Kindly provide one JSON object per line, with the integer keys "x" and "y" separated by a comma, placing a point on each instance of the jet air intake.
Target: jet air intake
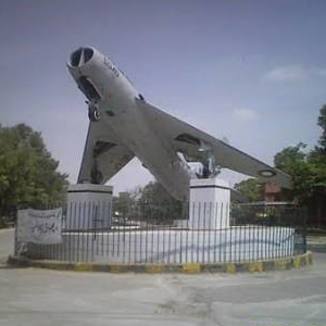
{"x": 81, "y": 56}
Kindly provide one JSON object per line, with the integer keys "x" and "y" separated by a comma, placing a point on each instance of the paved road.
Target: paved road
{"x": 46, "y": 298}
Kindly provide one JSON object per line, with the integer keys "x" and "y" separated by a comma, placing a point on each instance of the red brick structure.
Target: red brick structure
{"x": 272, "y": 192}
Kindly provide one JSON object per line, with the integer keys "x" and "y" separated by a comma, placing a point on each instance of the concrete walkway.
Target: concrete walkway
{"x": 44, "y": 297}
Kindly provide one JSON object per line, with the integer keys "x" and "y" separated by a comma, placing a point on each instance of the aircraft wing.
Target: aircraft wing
{"x": 103, "y": 155}
{"x": 188, "y": 140}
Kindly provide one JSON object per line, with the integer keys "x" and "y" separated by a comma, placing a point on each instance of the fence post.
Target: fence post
{"x": 15, "y": 235}
{"x": 304, "y": 228}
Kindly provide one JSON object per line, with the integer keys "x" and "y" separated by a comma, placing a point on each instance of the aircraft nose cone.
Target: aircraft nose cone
{"x": 81, "y": 56}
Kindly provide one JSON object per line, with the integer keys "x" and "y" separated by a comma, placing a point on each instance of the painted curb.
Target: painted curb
{"x": 294, "y": 262}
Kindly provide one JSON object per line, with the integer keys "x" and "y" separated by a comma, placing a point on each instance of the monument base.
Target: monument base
{"x": 209, "y": 204}
{"x": 89, "y": 207}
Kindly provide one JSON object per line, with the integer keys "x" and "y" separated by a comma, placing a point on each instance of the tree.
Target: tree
{"x": 317, "y": 157}
{"x": 251, "y": 189}
{"x": 151, "y": 203}
{"x": 317, "y": 161}
{"x": 294, "y": 161}
{"x": 124, "y": 205}
{"x": 158, "y": 204}
{"x": 28, "y": 173}
{"x": 308, "y": 172}
{"x": 322, "y": 124}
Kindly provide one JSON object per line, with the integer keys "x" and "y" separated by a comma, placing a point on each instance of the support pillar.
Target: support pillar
{"x": 209, "y": 204}
{"x": 89, "y": 207}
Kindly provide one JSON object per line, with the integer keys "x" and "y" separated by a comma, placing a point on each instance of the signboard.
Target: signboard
{"x": 39, "y": 226}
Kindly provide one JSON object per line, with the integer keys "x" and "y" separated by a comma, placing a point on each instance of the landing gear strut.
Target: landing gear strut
{"x": 93, "y": 112}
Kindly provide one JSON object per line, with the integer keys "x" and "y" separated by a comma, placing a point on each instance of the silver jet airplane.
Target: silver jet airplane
{"x": 124, "y": 125}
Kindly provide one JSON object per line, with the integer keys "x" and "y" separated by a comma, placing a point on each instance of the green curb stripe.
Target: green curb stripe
{"x": 189, "y": 268}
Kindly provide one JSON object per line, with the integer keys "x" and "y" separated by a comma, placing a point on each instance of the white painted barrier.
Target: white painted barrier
{"x": 177, "y": 246}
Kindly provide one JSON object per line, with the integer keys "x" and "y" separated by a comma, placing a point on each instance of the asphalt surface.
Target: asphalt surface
{"x": 38, "y": 297}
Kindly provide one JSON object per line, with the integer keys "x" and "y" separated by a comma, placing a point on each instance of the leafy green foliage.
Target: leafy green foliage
{"x": 287, "y": 159}
{"x": 28, "y": 173}
{"x": 124, "y": 205}
{"x": 322, "y": 124}
{"x": 159, "y": 204}
{"x": 251, "y": 189}
{"x": 308, "y": 170}
{"x": 151, "y": 203}
{"x": 293, "y": 160}
{"x": 317, "y": 157}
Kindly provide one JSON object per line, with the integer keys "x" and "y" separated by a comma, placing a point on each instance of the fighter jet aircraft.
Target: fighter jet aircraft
{"x": 124, "y": 125}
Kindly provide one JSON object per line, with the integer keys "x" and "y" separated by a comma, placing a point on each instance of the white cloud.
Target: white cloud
{"x": 293, "y": 73}
{"x": 245, "y": 115}
{"x": 287, "y": 73}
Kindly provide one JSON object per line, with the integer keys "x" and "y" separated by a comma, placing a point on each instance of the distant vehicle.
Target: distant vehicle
{"x": 124, "y": 125}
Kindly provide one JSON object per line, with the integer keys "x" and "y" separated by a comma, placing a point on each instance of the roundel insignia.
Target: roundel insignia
{"x": 267, "y": 173}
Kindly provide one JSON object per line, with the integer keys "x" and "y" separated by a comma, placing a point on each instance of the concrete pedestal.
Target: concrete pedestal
{"x": 89, "y": 207}
{"x": 209, "y": 204}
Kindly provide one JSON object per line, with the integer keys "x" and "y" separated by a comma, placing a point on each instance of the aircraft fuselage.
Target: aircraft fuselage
{"x": 116, "y": 100}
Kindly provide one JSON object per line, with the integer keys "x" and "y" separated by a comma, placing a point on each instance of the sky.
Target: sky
{"x": 251, "y": 72}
